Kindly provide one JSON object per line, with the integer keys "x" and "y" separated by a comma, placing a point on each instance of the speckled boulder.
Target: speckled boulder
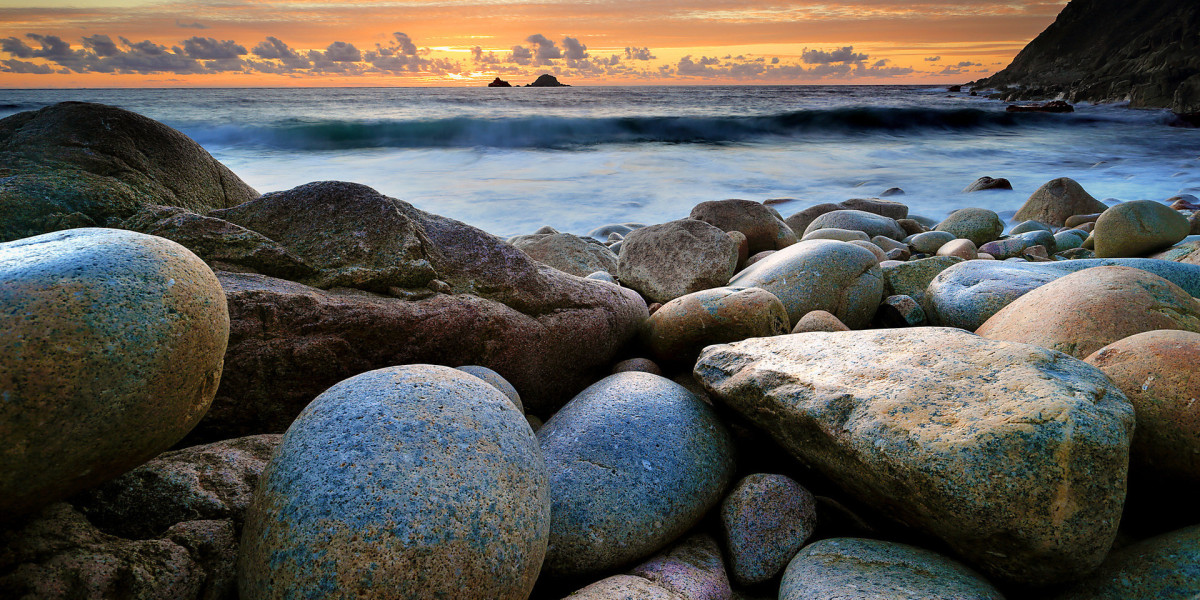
{"x": 1008, "y": 247}
{"x": 800, "y": 221}
{"x": 930, "y": 241}
{"x": 1137, "y": 228}
{"x": 820, "y": 275}
{"x": 678, "y": 330}
{"x": 1165, "y": 567}
{"x": 1057, "y": 200}
{"x": 1085, "y": 311}
{"x": 416, "y": 481}
{"x": 766, "y": 519}
{"x": 979, "y": 225}
{"x": 693, "y": 569}
{"x": 78, "y": 164}
{"x": 878, "y": 206}
{"x": 964, "y": 249}
{"x": 1159, "y": 371}
{"x": 857, "y": 220}
{"x": 497, "y": 381}
{"x": 861, "y": 569}
{"x": 763, "y": 228}
{"x": 841, "y": 235}
{"x": 1014, "y": 455}
{"x": 624, "y": 587}
{"x": 911, "y": 278}
{"x": 113, "y": 344}
{"x": 1187, "y": 253}
{"x": 579, "y": 256}
{"x": 672, "y": 259}
{"x": 819, "y": 320}
{"x": 635, "y": 460}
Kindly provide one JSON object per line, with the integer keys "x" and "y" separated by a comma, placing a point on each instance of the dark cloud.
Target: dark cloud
{"x": 881, "y": 63}
{"x": 932, "y": 58}
{"x": 196, "y": 25}
{"x": 342, "y": 52}
{"x": 478, "y": 56}
{"x": 775, "y": 60}
{"x": 101, "y": 44}
{"x": 544, "y": 50}
{"x": 967, "y": 63}
{"x": 635, "y": 53}
{"x": 520, "y": 55}
{"x": 845, "y": 54}
{"x": 274, "y": 49}
{"x": 16, "y": 48}
{"x": 211, "y": 49}
{"x": 573, "y": 50}
{"x": 404, "y": 44}
{"x": 21, "y": 66}
{"x": 402, "y": 55}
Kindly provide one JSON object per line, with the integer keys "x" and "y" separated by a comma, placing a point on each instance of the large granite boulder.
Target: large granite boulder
{"x": 761, "y": 225}
{"x": 635, "y": 461}
{"x": 579, "y": 256}
{"x": 678, "y": 330}
{"x": 1165, "y": 567}
{"x": 416, "y": 481}
{"x": 77, "y": 164}
{"x": 1014, "y": 455}
{"x": 113, "y": 344}
{"x": 669, "y": 260}
{"x": 1056, "y": 200}
{"x": 1082, "y": 312}
{"x": 828, "y": 275}
{"x": 979, "y": 225}
{"x": 1137, "y": 228}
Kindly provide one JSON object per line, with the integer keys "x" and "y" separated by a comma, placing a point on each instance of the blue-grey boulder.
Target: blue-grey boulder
{"x": 635, "y": 461}
{"x": 857, "y": 220}
{"x": 417, "y": 481}
{"x": 1164, "y": 567}
{"x": 766, "y": 519}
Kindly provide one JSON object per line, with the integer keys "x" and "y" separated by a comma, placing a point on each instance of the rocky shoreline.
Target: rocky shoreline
{"x": 327, "y": 392}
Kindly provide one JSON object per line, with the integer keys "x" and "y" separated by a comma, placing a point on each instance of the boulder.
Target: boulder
{"x": 1183, "y": 253}
{"x": 911, "y": 278}
{"x": 1165, "y": 567}
{"x": 1027, "y": 226}
{"x": 113, "y": 344}
{"x": 819, "y": 320}
{"x": 900, "y": 311}
{"x": 857, "y": 220}
{"x": 415, "y": 481}
{"x": 964, "y": 249}
{"x": 1159, "y": 371}
{"x": 800, "y": 221}
{"x": 886, "y": 208}
{"x": 635, "y": 460}
{"x": 880, "y": 256}
{"x": 77, "y": 164}
{"x": 1013, "y": 455}
{"x": 579, "y": 256}
{"x": 672, "y": 259}
{"x": 761, "y": 225}
{"x": 1139, "y": 227}
{"x": 678, "y": 330}
{"x": 979, "y": 225}
{"x": 841, "y": 235}
{"x": 861, "y": 569}
{"x": 1008, "y": 247}
{"x": 497, "y": 381}
{"x": 988, "y": 183}
{"x": 1056, "y": 200}
{"x": 1082, "y": 312}
{"x": 766, "y": 519}
{"x": 643, "y": 365}
{"x": 929, "y": 242}
{"x": 828, "y": 275}
{"x": 692, "y": 570}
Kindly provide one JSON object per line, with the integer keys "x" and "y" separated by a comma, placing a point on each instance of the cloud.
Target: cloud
{"x": 775, "y": 60}
{"x": 881, "y": 63}
{"x": 274, "y": 49}
{"x": 342, "y": 52}
{"x": 101, "y": 44}
{"x": 16, "y": 48}
{"x": 479, "y": 57}
{"x": 520, "y": 55}
{"x": 967, "y": 63}
{"x": 196, "y": 25}
{"x": 635, "y": 53}
{"x": 574, "y": 49}
{"x": 211, "y": 49}
{"x": 844, "y": 54}
{"x": 932, "y": 58}
{"x": 544, "y": 50}
{"x": 21, "y": 66}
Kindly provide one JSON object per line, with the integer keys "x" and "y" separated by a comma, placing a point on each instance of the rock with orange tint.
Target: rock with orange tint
{"x": 1084, "y": 311}
{"x": 763, "y": 227}
{"x": 1014, "y": 455}
{"x": 683, "y": 326}
{"x": 1160, "y": 373}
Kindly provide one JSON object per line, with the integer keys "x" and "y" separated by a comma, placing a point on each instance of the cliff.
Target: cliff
{"x": 1144, "y": 51}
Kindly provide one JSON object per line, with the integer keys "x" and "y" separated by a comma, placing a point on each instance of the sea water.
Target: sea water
{"x": 510, "y": 160}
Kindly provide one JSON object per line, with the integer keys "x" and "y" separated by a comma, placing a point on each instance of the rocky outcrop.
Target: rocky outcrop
{"x": 546, "y": 80}
{"x": 1144, "y": 51}
{"x": 497, "y": 82}
{"x": 77, "y": 164}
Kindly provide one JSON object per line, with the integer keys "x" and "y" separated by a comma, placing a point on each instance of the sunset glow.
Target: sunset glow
{"x": 130, "y": 43}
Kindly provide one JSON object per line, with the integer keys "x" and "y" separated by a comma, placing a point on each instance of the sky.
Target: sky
{"x": 207, "y": 43}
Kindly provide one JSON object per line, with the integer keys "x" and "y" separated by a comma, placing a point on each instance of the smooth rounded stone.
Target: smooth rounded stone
{"x": 897, "y": 254}
{"x": 930, "y": 241}
{"x": 415, "y": 481}
{"x": 1027, "y": 226}
{"x": 819, "y": 320}
{"x": 1138, "y": 227}
{"x": 1194, "y": 223}
{"x": 757, "y": 257}
{"x": 885, "y": 208}
{"x": 624, "y": 587}
{"x": 887, "y": 244}
{"x": 761, "y": 224}
{"x": 672, "y": 259}
{"x": 880, "y": 256}
{"x": 579, "y": 256}
{"x": 801, "y": 220}
{"x": 643, "y": 365}
{"x": 912, "y": 226}
{"x": 614, "y": 237}
{"x": 766, "y": 519}
{"x": 1165, "y": 567}
{"x": 1065, "y": 240}
{"x": 988, "y": 183}
{"x": 927, "y": 222}
{"x": 1057, "y": 200}
{"x": 1086, "y": 227}
{"x": 677, "y": 331}
{"x": 1080, "y": 313}
{"x": 113, "y": 346}
{"x": 900, "y": 311}
{"x": 1183, "y": 202}
{"x": 743, "y": 246}
{"x": 693, "y": 570}
{"x": 1014, "y": 455}
{"x": 979, "y": 225}
{"x": 1036, "y": 254}
{"x": 1077, "y": 220}
{"x": 602, "y": 232}
{"x": 635, "y": 460}
{"x": 615, "y": 247}
{"x": 1040, "y": 237}
{"x": 892, "y": 191}
{"x": 862, "y": 569}
{"x": 604, "y": 276}
{"x": 1007, "y": 248}
{"x": 857, "y": 220}
{"x": 497, "y": 381}
{"x": 820, "y": 275}
{"x": 833, "y": 233}
{"x": 964, "y": 249}
{"x": 1159, "y": 371}
{"x": 911, "y": 278}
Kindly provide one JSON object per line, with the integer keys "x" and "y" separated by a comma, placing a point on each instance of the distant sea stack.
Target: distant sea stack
{"x": 546, "y": 80}
{"x": 497, "y": 82}
{"x": 1144, "y": 51}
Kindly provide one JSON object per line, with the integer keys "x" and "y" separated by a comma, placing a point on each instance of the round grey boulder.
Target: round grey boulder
{"x": 497, "y": 381}
{"x": 417, "y": 481}
{"x": 979, "y": 225}
{"x": 635, "y": 461}
{"x": 672, "y": 259}
{"x": 858, "y": 220}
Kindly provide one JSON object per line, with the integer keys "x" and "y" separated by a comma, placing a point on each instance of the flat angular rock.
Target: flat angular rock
{"x": 1014, "y": 455}
{"x": 672, "y": 259}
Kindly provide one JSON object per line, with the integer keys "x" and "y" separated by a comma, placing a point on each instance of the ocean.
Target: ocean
{"x": 510, "y": 160}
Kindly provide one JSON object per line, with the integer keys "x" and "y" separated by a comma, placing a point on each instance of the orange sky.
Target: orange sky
{"x": 128, "y": 43}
